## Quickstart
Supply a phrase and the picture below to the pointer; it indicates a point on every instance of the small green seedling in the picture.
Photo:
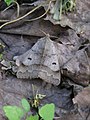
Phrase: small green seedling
(35, 101)
(62, 6)
(1, 51)
(36, 97)
(13, 112)
(46, 112)
(1, 56)
(8, 2)
(16, 113)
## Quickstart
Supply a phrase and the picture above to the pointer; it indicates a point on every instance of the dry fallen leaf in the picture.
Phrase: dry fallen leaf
(83, 101)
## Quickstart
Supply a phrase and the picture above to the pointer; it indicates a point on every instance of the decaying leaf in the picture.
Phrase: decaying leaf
(83, 101)
(47, 58)
(83, 97)
(78, 20)
(6, 65)
(78, 68)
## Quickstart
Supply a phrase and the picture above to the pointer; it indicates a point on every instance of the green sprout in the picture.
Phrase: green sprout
(8, 2)
(46, 112)
(1, 51)
(62, 6)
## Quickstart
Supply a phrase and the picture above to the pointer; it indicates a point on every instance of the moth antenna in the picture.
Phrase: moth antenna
(48, 35)
(45, 33)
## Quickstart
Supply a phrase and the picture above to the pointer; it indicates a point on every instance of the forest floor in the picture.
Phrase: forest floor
(70, 37)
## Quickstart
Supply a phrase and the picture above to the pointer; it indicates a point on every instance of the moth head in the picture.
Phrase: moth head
(16, 58)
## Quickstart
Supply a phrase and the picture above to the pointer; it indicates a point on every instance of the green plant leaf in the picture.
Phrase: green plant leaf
(1, 56)
(47, 111)
(13, 112)
(8, 2)
(35, 117)
(25, 105)
(56, 13)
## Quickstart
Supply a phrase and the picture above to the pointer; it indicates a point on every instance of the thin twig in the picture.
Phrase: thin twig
(42, 14)
(13, 21)
(2, 21)
(18, 8)
(7, 8)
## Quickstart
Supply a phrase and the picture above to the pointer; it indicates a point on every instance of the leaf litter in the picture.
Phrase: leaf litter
(73, 49)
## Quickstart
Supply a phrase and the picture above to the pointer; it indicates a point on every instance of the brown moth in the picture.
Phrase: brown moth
(41, 61)
(46, 59)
